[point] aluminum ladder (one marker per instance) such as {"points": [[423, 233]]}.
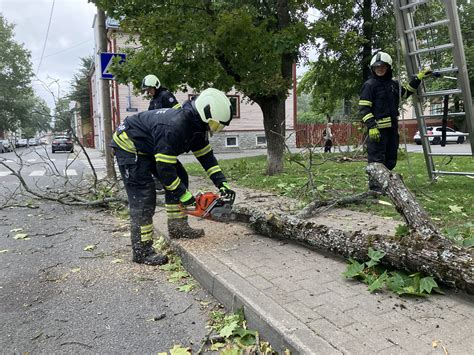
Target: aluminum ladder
{"points": [[416, 48]]}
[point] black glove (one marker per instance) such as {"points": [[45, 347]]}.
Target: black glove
{"points": [[187, 199], [226, 191]]}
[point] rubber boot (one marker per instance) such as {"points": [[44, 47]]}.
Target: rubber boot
{"points": [[179, 228], [143, 253]]}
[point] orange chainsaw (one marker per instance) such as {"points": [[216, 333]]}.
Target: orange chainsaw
{"points": [[212, 206]]}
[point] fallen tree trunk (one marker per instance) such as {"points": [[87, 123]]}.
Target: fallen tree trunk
{"points": [[415, 216], [425, 249], [448, 263]]}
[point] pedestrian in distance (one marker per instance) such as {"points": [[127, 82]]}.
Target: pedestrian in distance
{"points": [[327, 135], [148, 144], [378, 109], [161, 97]]}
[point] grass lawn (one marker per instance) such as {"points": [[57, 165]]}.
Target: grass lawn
{"points": [[449, 201]]}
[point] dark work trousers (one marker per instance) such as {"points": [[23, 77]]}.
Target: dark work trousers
{"points": [[327, 146], [384, 151], [137, 173]]}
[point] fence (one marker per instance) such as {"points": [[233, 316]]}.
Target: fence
{"points": [[350, 134]]}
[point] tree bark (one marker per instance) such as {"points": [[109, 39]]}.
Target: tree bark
{"points": [[425, 249], [415, 216], [448, 263], [273, 109]]}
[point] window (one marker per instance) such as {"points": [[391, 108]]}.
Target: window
{"points": [[436, 109], [261, 140], [234, 101], [231, 141]]}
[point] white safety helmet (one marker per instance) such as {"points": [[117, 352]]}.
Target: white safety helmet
{"points": [[381, 58], [150, 81], [214, 108]]}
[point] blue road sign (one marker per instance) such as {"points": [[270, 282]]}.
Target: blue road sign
{"points": [[106, 62]]}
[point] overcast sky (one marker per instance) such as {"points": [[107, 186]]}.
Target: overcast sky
{"points": [[70, 37]]}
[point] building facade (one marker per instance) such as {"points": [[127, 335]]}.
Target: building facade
{"points": [[245, 132]]}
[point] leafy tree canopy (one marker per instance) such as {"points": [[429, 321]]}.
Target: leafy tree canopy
{"points": [[80, 88], [15, 79]]}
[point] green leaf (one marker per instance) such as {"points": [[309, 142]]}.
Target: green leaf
{"points": [[22, 236], [216, 346], [179, 350], [187, 288], [247, 337], [354, 269], [378, 283], [375, 256], [455, 208], [427, 284], [228, 329], [468, 242], [177, 276]]}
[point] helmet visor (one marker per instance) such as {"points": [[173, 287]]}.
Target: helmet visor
{"points": [[215, 126]]}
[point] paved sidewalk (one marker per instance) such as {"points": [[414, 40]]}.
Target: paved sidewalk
{"points": [[297, 298]]}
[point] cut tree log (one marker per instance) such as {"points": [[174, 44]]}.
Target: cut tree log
{"points": [[425, 249]]}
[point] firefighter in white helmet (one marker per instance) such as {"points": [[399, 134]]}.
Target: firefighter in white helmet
{"points": [[161, 97], [378, 109], [149, 143]]}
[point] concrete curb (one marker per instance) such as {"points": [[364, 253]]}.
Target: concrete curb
{"points": [[273, 322]]}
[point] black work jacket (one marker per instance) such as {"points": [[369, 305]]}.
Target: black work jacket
{"points": [[166, 134], [162, 99], [380, 98]]}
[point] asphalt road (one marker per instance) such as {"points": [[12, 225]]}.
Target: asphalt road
{"points": [[55, 297]]}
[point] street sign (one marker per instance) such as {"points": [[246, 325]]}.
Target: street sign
{"points": [[106, 62]]}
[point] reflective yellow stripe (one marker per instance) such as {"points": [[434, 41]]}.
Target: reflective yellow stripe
{"points": [[171, 159], [173, 185], [203, 151], [365, 103], [385, 122], [172, 208], [367, 117], [124, 142], [186, 196], [146, 228], [177, 106], [146, 232], [410, 88], [213, 170], [175, 215]]}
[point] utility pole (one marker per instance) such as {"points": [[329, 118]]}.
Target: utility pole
{"points": [[104, 87]]}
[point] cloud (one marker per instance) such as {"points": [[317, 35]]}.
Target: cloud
{"points": [[70, 38]]}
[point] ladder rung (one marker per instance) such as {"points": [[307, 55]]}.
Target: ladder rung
{"points": [[432, 49], [440, 115], [442, 92], [446, 70], [428, 25], [450, 154], [440, 172], [413, 4]]}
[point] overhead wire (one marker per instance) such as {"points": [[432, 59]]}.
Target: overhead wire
{"points": [[46, 38]]}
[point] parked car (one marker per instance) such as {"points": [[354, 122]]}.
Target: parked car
{"points": [[435, 135], [32, 142], [62, 143], [7, 145], [43, 141], [22, 142]]}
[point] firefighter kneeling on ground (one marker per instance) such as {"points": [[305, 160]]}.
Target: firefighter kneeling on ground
{"points": [[148, 144], [378, 108]]}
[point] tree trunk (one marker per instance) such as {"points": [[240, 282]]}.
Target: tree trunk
{"points": [[273, 109], [423, 250], [368, 33], [448, 263]]}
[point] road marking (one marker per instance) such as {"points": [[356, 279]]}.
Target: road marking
{"points": [[37, 173], [5, 173], [70, 172]]}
